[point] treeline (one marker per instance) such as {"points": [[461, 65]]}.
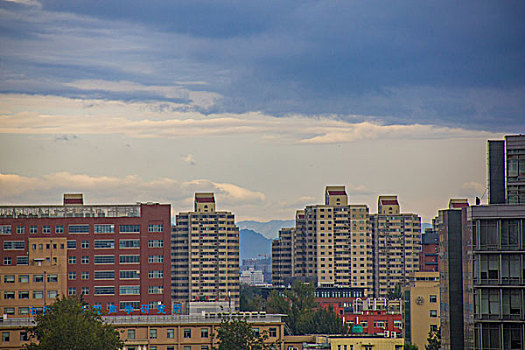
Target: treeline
{"points": [[304, 315]]}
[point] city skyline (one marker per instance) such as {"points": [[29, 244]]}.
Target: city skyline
{"points": [[262, 104]]}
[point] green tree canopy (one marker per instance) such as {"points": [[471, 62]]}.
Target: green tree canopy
{"points": [[434, 340], [236, 333], [304, 315], [66, 325]]}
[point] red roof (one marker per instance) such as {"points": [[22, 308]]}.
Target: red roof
{"points": [[337, 193], [389, 202], [205, 200], [459, 205]]}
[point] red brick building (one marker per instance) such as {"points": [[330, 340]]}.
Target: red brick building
{"points": [[118, 256], [429, 255]]}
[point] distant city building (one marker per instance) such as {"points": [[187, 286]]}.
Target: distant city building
{"points": [[205, 254], [429, 255], [262, 264], [422, 307], [331, 244], [252, 277], [116, 256], [396, 243]]}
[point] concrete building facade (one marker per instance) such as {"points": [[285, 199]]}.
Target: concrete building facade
{"points": [[396, 244], [205, 254], [116, 256]]}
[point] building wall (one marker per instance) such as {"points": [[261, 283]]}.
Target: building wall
{"points": [[205, 254], [163, 332], [422, 294], [88, 272], [494, 277]]}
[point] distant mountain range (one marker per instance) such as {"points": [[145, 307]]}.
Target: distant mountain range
{"points": [[252, 245], [269, 229]]}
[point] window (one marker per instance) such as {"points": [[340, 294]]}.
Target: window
{"points": [[23, 295], [129, 275], [129, 290], [85, 290], [71, 244], [5, 336], [33, 229], [5, 229], [186, 347], [20, 229], [38, 278], [9, 279], [131, 334], [155, 243], [71, 259], [22, 260], [205, 347], [8, 260], [84, 260], [433, 313], [59, 229], [107, 228], [9, 295], [155, 289], [170, 333], [104, 259], [9, 310], [23, 278], [104, 275], [129, 228], [71, 275], [204, 332], [104, 243], [104, 290], [433, 328], [135, 305], [129, 259], [273, 332], [433, 299], [14, 245], [46, 229], [153, 333], [84, 245], [38, 294], [156, 274], [84, 275], [52, 278], [255, 331], [71, 291], [78, 228], [156, 228], [155, 259], [129, 243], [187, 332], [23, 335], [52, 294]]}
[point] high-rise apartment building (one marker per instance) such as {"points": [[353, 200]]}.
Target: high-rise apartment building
{"points": [[116, 256], [429, 254], [205, 254], [331, 244], [397, 243], [506, 170], [494, 276]]}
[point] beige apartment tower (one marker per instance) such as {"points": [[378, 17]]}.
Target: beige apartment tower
{"points": [[397, 243], [330, 244], [205, 254]]}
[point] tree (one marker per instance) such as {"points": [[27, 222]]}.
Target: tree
{"points": [[410, 346], [251, 299], [394, 293], [434, 340], [66, 325], [236, 333], [304, 316]]}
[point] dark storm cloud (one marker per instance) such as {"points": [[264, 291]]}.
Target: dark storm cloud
{"points": [[446, 63]]}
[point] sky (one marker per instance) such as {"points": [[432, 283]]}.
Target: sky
{"points": [[263, 103]]}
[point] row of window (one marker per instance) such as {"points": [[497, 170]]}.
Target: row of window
{"points": [[80, 228], [110, 290], [37, 294], [110, 275], [110, 259], [25, 278], [110, 244]]}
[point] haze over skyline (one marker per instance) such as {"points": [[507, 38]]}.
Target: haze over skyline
{"points": [[263, 103]]}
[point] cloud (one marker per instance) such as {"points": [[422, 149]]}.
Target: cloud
{"points": [[17, 189], [26, 2], [189, 159], [22, 114]]}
